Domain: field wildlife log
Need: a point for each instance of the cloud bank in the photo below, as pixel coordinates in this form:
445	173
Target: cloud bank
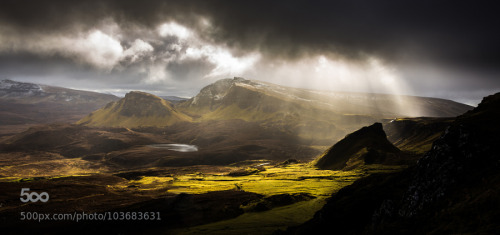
175	47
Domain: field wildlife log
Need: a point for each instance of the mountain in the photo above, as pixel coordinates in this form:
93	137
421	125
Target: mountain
30	93
241	96
453	189
134	110
367	145
26	104
318	116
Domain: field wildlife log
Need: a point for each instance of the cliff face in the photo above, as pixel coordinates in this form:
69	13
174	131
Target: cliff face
464	156
453	189
365	146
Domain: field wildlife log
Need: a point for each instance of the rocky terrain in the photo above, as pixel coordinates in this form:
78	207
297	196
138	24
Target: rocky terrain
453	189
241	154
367	145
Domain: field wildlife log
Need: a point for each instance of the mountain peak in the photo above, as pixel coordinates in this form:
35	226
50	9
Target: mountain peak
140	104
136	109
374	129
142	96
211	95
239	79
365	146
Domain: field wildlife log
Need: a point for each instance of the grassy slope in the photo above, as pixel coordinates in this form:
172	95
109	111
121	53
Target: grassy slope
110	116
291	179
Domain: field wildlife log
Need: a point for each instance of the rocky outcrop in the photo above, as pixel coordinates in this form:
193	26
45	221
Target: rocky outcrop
453	189
367	145
143	104
136	109
465	154
210	97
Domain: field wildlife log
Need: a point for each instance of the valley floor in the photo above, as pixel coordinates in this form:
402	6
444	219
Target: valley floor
253	196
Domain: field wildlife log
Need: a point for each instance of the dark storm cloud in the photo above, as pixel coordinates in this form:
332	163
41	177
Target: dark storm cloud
448	31
458	37
191	69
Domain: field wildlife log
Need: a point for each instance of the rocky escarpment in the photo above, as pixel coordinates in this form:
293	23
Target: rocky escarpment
365	146
211	96
453	189
464	155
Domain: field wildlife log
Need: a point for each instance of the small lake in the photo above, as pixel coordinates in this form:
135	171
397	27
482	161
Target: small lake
176	147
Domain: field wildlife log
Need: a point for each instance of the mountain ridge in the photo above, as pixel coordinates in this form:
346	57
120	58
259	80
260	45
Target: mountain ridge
136	109
35	93
453	189
23	105
319	116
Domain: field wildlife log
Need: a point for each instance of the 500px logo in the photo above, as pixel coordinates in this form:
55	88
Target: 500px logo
33	196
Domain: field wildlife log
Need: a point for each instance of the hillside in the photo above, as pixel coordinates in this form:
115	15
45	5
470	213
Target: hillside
454	188
134	110
30	93
316	116
26	104
367	145
416	135
245	93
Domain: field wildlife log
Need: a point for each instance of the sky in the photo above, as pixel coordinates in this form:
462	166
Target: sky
445	49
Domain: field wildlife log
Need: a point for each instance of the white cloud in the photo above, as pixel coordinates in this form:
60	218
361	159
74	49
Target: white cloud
225	63
192	47
103	49
157	73
96	48
138	49
174	29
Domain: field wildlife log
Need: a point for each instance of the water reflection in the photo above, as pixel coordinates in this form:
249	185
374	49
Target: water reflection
176	147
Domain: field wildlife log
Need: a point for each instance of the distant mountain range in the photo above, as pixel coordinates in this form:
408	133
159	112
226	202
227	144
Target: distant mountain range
316	115
29	93
26	104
